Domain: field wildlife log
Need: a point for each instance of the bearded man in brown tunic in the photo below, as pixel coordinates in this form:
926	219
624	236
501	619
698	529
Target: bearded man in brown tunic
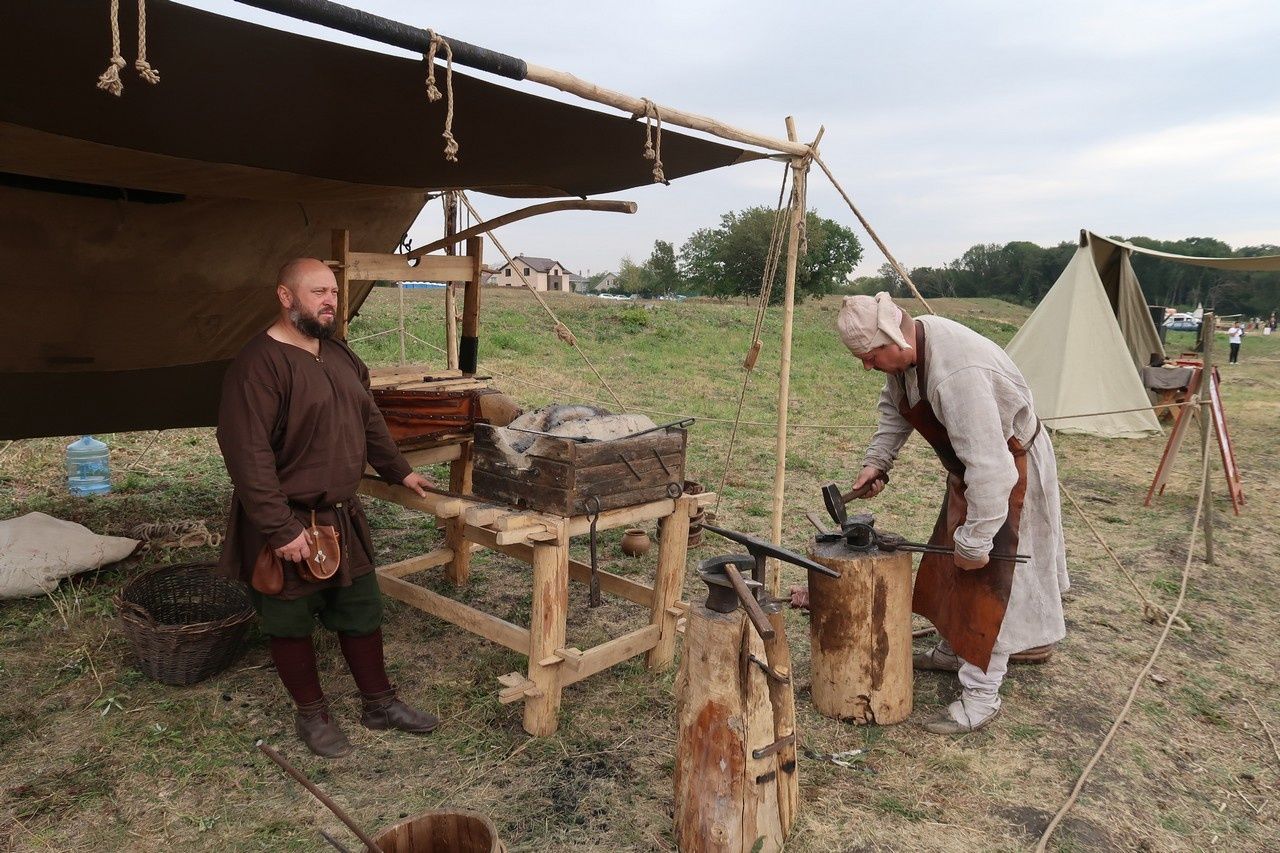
297	426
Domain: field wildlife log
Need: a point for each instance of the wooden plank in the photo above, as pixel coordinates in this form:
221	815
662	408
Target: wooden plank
541	533
632	591
673	544
438	557
580	524
612	653
441	506
468	618
377	266
434	455
592	453
409	372
558	502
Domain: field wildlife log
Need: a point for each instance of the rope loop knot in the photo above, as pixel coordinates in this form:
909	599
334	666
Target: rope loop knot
433	92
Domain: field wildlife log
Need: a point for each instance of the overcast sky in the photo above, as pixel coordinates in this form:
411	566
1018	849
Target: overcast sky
949	123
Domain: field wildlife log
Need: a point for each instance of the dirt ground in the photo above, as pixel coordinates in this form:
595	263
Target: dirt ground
94	756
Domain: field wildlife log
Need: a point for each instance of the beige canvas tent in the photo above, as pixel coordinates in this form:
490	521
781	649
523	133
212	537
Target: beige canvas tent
1082	347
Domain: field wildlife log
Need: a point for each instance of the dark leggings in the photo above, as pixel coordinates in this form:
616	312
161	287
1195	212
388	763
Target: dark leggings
1235	353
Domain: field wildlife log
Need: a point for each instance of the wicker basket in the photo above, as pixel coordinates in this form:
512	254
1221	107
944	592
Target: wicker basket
184	623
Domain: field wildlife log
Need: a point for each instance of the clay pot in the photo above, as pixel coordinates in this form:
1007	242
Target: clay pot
635	542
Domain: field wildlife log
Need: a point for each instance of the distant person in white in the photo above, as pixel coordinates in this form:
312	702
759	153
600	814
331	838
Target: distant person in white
1234	335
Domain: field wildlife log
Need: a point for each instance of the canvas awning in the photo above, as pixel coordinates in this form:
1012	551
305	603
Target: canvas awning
140	233
1261	263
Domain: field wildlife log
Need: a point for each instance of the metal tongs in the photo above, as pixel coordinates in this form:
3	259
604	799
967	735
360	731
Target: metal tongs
862	536
727	587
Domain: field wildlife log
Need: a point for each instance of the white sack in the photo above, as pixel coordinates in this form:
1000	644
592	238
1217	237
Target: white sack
38	550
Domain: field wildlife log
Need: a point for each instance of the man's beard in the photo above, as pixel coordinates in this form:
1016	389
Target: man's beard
310	325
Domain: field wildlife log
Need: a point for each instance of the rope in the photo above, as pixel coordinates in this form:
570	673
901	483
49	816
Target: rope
143	67
1137	684
1150	612
567	336
433	94
766	290
1193	401
653	138
109	80
902	273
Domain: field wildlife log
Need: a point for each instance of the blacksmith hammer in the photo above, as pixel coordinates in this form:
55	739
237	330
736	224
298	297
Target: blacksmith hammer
836	502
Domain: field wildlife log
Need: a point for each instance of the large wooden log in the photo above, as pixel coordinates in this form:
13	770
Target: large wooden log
723	713
860	635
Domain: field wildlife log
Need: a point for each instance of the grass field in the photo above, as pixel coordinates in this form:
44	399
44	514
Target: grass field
94	756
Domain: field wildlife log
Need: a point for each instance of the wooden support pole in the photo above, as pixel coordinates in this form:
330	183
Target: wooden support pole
455	529
673	550
603	205
450	297
566	82
1207	331
341	246
725	797
469	351
546	634
800	169
860	635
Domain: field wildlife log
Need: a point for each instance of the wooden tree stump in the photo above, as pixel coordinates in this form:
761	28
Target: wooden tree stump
726	800
860	635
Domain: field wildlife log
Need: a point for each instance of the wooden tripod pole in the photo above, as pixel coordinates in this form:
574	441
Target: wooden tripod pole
450	292
1206	426
800	170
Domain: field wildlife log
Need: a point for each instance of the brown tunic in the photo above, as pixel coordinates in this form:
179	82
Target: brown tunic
296	431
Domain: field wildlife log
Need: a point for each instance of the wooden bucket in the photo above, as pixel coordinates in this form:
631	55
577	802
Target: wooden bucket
442	831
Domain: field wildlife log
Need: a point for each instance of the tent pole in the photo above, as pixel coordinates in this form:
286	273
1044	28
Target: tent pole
800	170
1206	428
450	294
386	31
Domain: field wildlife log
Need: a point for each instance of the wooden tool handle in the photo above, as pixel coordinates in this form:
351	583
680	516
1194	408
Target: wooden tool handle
749	603
866	487
319	795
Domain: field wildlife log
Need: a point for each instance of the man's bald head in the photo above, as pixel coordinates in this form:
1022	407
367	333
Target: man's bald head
302	271
308	294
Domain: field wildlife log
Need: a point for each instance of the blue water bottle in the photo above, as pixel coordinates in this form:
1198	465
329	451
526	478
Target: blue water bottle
88	467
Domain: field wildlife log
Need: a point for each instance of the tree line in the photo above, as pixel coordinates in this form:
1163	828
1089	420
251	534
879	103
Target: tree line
729	260
1023	272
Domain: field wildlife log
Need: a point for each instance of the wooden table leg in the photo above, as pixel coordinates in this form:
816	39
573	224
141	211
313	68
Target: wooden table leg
459	567
546	634
673	549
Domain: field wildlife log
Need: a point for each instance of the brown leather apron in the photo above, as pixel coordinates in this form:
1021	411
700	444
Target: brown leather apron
967	607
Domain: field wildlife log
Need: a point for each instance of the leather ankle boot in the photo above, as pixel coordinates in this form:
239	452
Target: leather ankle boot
319	731
384	711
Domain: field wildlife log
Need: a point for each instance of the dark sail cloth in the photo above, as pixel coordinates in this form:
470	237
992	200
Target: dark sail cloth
967	607
296	431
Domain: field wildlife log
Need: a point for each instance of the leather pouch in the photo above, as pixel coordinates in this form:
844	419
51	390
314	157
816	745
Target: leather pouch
268	572
326	552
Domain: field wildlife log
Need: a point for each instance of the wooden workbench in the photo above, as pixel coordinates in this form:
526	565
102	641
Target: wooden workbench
542	541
